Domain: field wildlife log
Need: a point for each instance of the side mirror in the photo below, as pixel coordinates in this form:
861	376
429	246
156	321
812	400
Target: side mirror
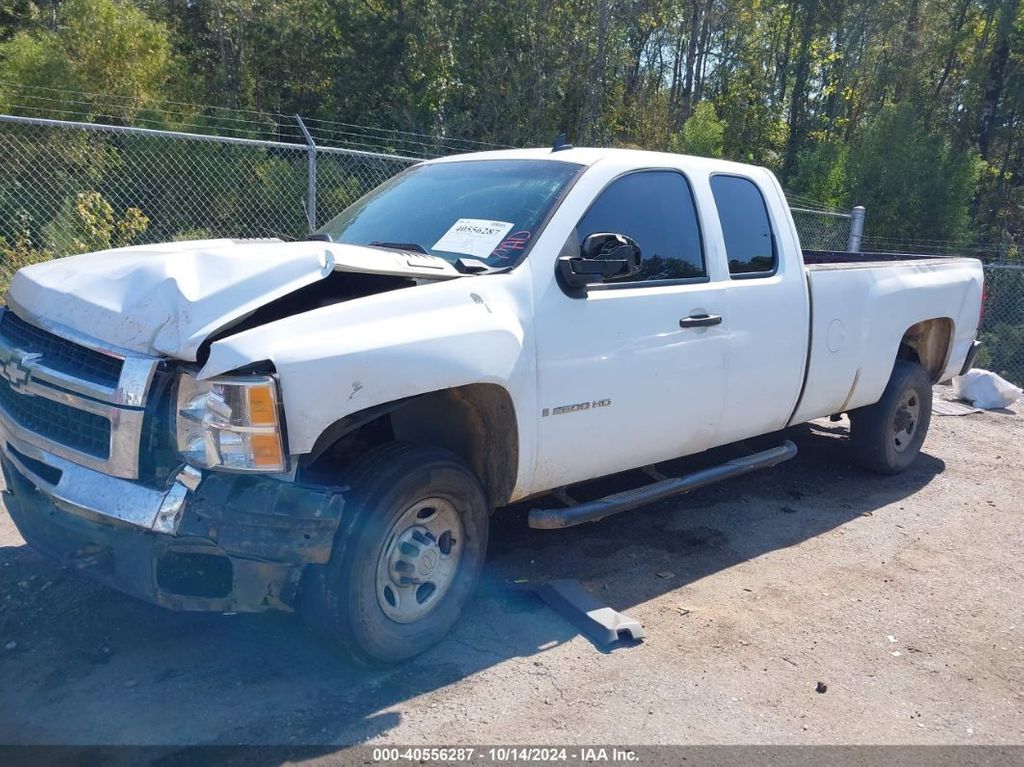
602	257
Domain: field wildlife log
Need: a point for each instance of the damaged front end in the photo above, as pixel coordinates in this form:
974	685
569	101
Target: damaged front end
96	478
240	545
123	460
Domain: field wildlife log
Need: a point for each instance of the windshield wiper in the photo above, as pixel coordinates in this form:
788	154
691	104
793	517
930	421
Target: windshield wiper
410	246
320	237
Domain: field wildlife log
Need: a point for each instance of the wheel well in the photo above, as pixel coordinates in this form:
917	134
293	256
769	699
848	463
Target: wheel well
927	343
476	422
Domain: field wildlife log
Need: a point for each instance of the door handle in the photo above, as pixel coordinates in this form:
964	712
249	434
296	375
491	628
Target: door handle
700	320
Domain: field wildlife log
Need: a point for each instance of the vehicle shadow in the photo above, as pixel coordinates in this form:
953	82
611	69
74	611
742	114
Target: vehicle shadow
92	666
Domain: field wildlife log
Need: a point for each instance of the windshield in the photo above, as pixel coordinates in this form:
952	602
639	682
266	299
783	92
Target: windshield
489	210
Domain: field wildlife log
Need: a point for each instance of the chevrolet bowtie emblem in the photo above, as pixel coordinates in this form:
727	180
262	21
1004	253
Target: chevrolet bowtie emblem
16	367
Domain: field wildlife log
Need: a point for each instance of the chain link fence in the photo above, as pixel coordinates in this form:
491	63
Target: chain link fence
75	187
71	187
68	187
822	230
1002	325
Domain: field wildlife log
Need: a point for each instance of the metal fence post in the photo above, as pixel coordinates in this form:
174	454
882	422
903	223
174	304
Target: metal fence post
311	183
856	229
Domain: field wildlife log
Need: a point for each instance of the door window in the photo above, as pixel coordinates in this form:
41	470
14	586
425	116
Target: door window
656	209
749	243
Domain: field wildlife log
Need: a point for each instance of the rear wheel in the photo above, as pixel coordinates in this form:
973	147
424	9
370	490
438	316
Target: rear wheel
406	558
888	435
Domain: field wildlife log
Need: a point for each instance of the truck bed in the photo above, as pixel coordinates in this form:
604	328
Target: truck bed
841	259
857	301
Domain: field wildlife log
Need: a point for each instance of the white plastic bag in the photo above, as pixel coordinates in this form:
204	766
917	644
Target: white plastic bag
985	389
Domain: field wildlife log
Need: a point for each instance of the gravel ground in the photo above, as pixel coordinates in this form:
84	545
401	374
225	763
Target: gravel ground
902	594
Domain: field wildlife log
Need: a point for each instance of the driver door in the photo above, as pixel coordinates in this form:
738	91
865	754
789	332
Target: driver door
625	377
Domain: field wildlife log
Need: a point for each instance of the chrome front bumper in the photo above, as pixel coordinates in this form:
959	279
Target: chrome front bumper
233	543
86	492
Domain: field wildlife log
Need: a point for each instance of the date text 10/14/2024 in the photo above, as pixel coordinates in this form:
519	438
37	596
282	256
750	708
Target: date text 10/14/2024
505	754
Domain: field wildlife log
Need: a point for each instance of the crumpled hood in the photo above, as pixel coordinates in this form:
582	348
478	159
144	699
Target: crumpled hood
167	299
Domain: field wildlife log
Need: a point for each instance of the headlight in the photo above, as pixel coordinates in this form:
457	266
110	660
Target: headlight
230	423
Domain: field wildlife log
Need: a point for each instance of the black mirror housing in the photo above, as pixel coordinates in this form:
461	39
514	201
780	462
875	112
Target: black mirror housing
603	256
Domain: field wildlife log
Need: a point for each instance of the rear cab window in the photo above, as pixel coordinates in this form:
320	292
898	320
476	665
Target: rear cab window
746	228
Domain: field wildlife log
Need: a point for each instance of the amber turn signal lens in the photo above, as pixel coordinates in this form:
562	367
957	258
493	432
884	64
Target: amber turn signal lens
266	450
262	409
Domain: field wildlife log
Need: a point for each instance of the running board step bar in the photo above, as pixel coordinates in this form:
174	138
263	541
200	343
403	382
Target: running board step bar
592	511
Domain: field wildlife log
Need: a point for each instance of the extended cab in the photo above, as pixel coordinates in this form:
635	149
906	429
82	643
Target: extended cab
328	424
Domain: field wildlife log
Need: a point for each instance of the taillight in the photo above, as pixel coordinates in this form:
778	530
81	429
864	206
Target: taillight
984	299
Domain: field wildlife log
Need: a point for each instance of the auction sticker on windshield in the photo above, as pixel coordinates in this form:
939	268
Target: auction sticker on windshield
473	236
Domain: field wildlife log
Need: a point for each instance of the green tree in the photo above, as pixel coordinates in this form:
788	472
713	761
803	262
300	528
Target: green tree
914	185
17	15
88	223
703	134
822	175
886	103
19	251
109	55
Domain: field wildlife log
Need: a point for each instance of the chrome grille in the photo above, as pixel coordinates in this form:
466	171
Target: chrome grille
66	394
61	354
79	430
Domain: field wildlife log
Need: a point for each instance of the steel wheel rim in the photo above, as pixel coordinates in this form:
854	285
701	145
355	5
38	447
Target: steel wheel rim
905	420
419	560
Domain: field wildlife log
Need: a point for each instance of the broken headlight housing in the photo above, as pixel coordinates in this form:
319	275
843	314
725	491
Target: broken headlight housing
231	423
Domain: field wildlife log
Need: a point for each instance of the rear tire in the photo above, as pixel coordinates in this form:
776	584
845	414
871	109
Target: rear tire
888	435
406	557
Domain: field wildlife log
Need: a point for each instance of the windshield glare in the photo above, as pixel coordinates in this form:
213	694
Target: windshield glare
488	210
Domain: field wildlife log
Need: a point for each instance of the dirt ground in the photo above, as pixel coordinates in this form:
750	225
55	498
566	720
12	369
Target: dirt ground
904	595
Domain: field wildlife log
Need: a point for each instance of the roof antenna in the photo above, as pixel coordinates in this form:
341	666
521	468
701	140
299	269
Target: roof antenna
561	142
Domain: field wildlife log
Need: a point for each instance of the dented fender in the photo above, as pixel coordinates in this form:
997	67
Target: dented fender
341	359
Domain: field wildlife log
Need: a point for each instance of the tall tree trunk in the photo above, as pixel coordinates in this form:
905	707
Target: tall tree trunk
783	65
959	17
632	84
908	56
595	92
703	47
801	76
692	44
677	79
228	69
996	79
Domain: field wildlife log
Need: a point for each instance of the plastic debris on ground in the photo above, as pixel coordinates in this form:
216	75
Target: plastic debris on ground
598	621
953	407
985	389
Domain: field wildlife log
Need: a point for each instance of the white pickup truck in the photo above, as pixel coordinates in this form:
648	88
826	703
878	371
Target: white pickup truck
328	424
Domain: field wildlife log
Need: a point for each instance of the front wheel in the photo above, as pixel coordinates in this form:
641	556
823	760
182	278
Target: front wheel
888	435
406	558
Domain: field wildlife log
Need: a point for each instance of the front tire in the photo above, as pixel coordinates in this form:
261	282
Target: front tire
406	557
888	435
